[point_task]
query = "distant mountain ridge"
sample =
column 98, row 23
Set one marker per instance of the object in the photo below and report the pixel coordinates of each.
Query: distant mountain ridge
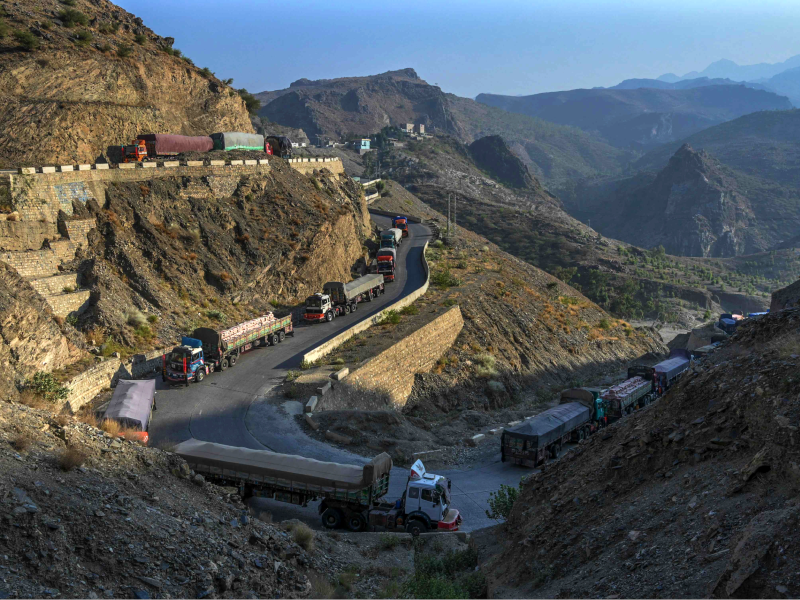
column 725, row 68
column 348, row 106
column 641, row 117
column 683, row 84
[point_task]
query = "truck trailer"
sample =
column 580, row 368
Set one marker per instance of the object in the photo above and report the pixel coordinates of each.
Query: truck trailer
column 238, row 140
column 339, row 298
column 535, row 440
column 665, row 373
column 349, row 495
column 208, row 350
column 281, row 145
column 623, row 398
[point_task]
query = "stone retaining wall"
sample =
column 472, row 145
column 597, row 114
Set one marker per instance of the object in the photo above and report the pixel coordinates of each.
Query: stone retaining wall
column 391, row 373
column 64, row 304
column 18, row 236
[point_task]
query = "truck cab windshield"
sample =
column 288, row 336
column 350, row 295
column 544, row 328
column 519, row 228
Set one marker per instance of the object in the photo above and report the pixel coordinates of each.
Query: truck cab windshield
column 314, row 302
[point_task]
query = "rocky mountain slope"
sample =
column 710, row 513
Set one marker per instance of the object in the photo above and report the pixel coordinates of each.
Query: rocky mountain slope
column 78, row 77
column 531, row 224
column 642, row 117
column 353, row 106
column 693, row 207
column 173, row 250
column 88, row 515
column 694, row 496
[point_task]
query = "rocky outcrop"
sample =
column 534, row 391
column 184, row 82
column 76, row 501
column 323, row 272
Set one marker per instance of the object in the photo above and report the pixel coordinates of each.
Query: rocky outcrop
column 788, row 297
column 67, row 103
column 493, row 155
column 30, row 339
column 693, row 207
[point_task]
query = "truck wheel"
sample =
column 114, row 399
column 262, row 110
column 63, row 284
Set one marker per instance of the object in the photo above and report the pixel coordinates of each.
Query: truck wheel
column 274, row 339
column 356, row 522
column 416, row 527
column 281, row 335
column 369, row 295
column 581, row 435
column 332, row 518
column 347, row 309
column 232, row 360
column 355, row 305
column 223, row 366
column 329, row 316
column 199, row 376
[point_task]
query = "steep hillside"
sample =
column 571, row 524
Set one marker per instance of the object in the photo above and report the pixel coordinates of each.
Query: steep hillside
column 492, row 155
column 641, row 117
column 78, row 77
column 695, row 207
column 350, row 106
column 172, row 250
column 693, row 496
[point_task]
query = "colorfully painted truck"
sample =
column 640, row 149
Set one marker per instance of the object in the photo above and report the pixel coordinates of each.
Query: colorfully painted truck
column 386, row 263
column 208, row 350
column 391, row 238
column 401, row 223
column 349, row 495
column 623, row 398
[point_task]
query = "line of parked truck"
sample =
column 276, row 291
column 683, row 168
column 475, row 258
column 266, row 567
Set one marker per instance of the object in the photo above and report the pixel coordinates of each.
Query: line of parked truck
column 583, row 411
column 166, row 145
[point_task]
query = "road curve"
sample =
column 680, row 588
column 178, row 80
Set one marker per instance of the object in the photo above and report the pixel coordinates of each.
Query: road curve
column 215, row 409
column 229, row 407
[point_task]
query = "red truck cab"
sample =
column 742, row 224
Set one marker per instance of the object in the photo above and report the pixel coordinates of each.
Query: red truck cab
column 136, row 152
column 401, row 223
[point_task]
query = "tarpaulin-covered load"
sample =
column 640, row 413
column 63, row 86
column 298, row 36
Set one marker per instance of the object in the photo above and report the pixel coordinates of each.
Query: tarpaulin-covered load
column 261, row 466
column 547, row 427
column 672, row 367
column 132, row 403
column 237, row 140
column 241, row 334
column 386, row 254
column 167, row 144
column 581, row 395
column 281, row 145
column 344, row 292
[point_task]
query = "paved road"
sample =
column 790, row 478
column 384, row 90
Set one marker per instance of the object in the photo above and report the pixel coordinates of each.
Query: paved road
column 230, row 407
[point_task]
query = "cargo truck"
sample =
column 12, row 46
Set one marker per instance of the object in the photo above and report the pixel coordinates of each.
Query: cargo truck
column 535, row 440
column 208, row 350
column 401, row 223
column 349, row 495
column 665, row 373
column 281, row 145
column 387, row 259
column 238, row 140
column 623, row 398
column 339, row 298
column 391, row 238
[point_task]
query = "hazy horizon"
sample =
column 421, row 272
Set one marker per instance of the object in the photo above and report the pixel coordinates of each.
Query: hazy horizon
column 470, row 47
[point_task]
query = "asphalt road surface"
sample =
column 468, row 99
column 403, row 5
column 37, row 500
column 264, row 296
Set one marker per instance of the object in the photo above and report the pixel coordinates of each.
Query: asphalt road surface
column 229, row 407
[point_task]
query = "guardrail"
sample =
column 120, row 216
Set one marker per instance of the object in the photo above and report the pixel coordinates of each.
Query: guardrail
column 340, row 339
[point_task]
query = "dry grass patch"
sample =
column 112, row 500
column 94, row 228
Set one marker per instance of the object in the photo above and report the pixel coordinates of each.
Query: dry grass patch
column 22, row 441
column 111, row 427
column 302, row 535
column 320, row 586
column 33, row 400
column 71, row 458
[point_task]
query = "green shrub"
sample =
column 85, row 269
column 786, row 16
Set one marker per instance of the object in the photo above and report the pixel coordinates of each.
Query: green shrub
column 27, row 40
column 485, row 365
column 72, row 320
column 274, row 303
column 443, row 278
column 206, row 72
column 450, row 302
column 502, row 501
column 140, row 39
column 105, row 47
column 124, row 51
column 438, row 244
column 391, row 316
column 604, row 324
column 135, row 318
column 144, row 332
column 3, row 29
column 217, row 315
column 68, row 2
column 250, row 101
column 411, row 309
column 83, row 38
column 152, row 318
column 45, row 385
column 71, row 17
column 388, row 541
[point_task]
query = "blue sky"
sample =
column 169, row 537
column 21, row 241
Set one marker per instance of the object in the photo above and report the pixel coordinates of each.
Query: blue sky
column 468, row 47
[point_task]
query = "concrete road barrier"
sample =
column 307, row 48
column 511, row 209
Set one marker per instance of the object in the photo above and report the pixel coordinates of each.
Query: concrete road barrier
column 324, row 389
column 341, row 374
column 512, row 423
column 311, row 404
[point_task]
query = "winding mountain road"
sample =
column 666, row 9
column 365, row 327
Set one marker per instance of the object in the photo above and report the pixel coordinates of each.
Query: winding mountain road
column 229, row 407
